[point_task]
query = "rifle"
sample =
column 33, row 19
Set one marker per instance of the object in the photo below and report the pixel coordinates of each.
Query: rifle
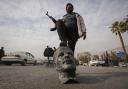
column 59, row 24
column 51, row 17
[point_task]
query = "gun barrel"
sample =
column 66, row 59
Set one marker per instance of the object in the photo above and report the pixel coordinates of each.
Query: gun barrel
column 54, row 20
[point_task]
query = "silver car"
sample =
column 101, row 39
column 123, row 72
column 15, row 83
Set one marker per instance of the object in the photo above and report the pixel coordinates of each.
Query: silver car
column 22, row 58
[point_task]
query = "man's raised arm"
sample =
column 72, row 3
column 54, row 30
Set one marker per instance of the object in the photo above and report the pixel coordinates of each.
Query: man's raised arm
column 51, row 17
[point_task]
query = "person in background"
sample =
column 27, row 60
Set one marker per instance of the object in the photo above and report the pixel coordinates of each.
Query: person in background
column 2, row 52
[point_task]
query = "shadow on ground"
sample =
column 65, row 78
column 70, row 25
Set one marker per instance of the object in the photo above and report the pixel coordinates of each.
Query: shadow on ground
column 93, row 78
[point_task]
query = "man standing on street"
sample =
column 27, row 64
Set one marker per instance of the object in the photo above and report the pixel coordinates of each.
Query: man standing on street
column 70, row 28
column 75, row 27
column 2, row 53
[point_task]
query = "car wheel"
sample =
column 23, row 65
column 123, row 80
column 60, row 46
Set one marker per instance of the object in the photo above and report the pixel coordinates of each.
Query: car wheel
column 8, row 63
column 24, row 63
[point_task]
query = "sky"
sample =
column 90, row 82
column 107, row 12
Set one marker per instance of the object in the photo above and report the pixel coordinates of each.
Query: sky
column 25, row 27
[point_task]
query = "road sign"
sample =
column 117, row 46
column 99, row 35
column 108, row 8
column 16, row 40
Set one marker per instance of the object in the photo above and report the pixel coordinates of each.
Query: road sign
column 120, row 54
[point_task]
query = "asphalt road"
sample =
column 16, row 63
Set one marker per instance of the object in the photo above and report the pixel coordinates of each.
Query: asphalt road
column 40, row 77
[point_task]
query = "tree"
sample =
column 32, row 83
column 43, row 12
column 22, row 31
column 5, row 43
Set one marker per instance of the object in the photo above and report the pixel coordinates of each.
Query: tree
column 125, row 28
column 114, row 56
column 118, row 28
column 84, row 57
column 96, row 57
column 107, row 58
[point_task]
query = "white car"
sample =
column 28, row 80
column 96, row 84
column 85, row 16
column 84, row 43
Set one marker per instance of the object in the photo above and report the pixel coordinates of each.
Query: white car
column 96, row 63
column 19, row 57
column 121, row 64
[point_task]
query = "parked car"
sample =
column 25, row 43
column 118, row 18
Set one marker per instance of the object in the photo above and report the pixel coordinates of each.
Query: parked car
column 22, row 58
column 121, row 64
column 85, row 64
column 96, row 63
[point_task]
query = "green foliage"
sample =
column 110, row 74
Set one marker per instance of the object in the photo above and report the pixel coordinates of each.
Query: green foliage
column 121, row 26
column 126, row 24
column 114, row 57
column 84, row 59
column 96, row 57
column 107, row 55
